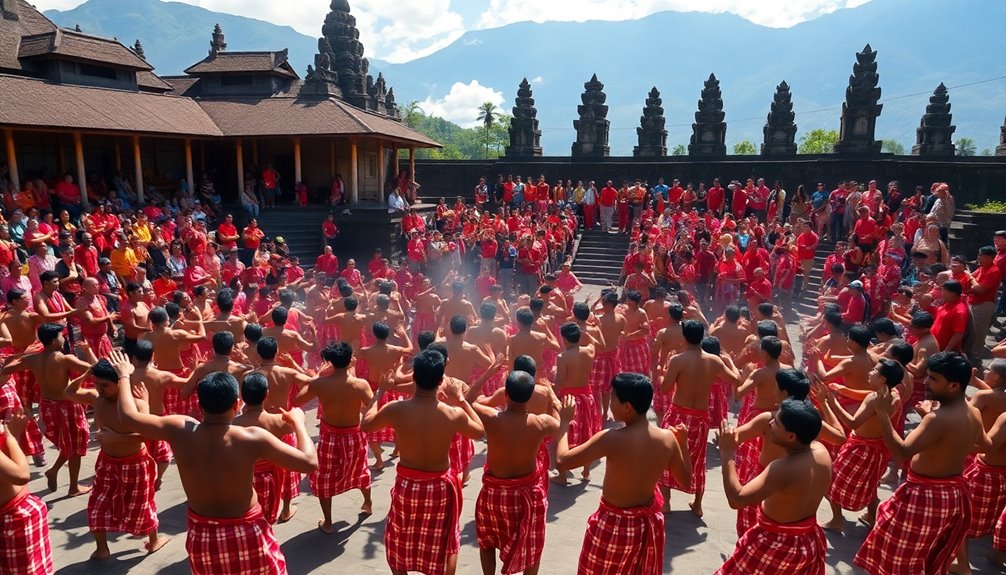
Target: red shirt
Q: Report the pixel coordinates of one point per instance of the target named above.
(674, 195)
(226, 229)
(989, 278)
(948, 320)
(194, 275)
(543, 192)
(855, 308)
(508, 192)
(256, 234)
(484, 284)
(87, 257)
(739, 203)
(806, 245)
(417, 250)
(609, 196)
(715, 197)
(328, 264)
(865, 230)
(196, 242)
(488, 248)
(331, 230)
(163, 287)
(759, 290)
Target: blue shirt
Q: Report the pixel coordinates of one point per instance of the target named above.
(661, 190)
(818, 198)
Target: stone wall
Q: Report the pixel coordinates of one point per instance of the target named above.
(972, 179)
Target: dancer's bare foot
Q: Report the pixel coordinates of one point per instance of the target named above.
(696, 508)
(957, 569)
(50, 479)
(836, 525)
(367, 508)
(585, 474)
(288, 515)
(560, 478)
(325, 527)
(379, 464)
(155, 545)
(101, 554)
(79, 490)
(868, 519)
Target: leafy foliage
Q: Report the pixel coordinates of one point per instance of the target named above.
(459, 143)
(892, 146)
(989, 207)
(679, 150)
(745, 148)
(818, 141)
(965, 147)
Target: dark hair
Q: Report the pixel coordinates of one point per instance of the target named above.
(104, 370)
(217, 392)
(581, 311)
(953, 286)
(279, 315)
(536, 305)
(525, 317)
(711, 344)
(570, 332)
(428, 369)
(793, 382)
(173, 310)
(766, 309)
(634, 389)
(381, 330)
(143, 350)
(732, 313)
(519, 386)
(892, 372)
(771, 345)
(48, 332)
(833, 318)
(922, 320)
(767, 327)
(525, 363)
(609, 298)
(901, 351)
(487, 311)
(633, 296)
(860, 335)
(339, 354)
(14, 294)
(439, 347)
(884, 325)
(158, 315)
(350, 303)
(693, 331)
(801, 419)
(951, 365)
(225, 300)
(458, 325)
(223, 342)
(253, 332)
(425, 338)
(48, 276)
(676, 311)
(267, 347)
(254, 388)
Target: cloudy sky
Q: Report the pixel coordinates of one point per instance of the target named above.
(401, 30)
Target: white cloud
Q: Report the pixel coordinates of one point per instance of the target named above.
(537, 81)
(461, 104)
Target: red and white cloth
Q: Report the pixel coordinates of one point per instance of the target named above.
(24, 536)
(697, 423)
(918, 529)
(510, 516)
(173, 402)
(587, 420)
(122, 496)
(289, 480)
(987, 484)
(342, 461)
(856, 472)
(10, 403)
(461, 453)
(606, 366)
(66, 426)
(242, 545)
(772, 548)
(634, 356)
(266, 482)
(423, 527)
(718, 403)
(159, 450)
(624, 540)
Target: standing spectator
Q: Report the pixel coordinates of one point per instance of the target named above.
(1000, 260)
(270, 186)
(69, 196)
(716, 198)
(227, 234)
(950, 322)
(609, 197)
(252, 237)
(943, 211)
(337, 195)
(837, 201)
(248, 200)
(820, 208)
(984, 283)
(330, 231)
(806, 244)
(589, 206)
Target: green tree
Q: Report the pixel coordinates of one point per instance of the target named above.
(745, 148)
(818, 141)
(679, 150)
(965, 147)
(412, 114)
(892, 146)
(499, 135)
(488, 116)
(986, 152)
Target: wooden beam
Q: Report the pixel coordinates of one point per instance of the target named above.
(412, 169)
(381, 170)
(188, 166)
(78, 153)
(334, 162)
(12, 170)
(297, 175)
(354, 173)
(138, 169)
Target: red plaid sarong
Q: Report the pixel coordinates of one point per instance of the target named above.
(661, 401)
(606, 366)
(342, 461)
(749, 465)
(510, 516)
(423, 322)
(697, 423)
(100, 344)
(31, 441)
(122, 498)
(24, 536)
(26, 386)
(549, 360)
(718, 402)
(233, 545)
(160, 451)
(66, 426)
(173, 402)
(494, 383)
(634, 356)
(423, 528)
(461, 453)
(266, 482)
(918, 529)
(857, 471)
(290, 480)
(999, 535)
(771, 548)
(620, 540)
(987, 484)
(587, 420)
(544, 461)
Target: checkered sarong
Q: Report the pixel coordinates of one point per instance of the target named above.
(173, 402)
(10, 403)
(342, 461)
(266, 482)
(919, 529)
(510, 516)
(856, 472)
(771, 548)
(634, 356)
(718, 403)
(620, 541)
(461, 453)
(423, 528)
(122, 497)
(66, 426)
(24, 536)
(386, 435)
(289, 480)
(606, 366)
(987, 484)
(587, 420)
(159, 450)
(497, 381)
(240, 545)
(697, 423)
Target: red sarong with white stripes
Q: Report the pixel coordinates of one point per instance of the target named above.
(242, 545)
(606, 366)
(24, 536)
(122, 497)
(587, 420)
(10, 403)
(697, 423)
(987, 484)
(510, 516)
(423, 527)
(773, 548)
(620, 540)
(342, 461)
(856, 472)
(66, 426)
(266, 482)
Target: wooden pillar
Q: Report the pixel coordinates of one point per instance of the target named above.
(412, 169)
(333, 161)
(12, 170)
(188, 165)
(138, 169)
(241, 168)
(297, 175)
(78, 153)
(118, 156)
(382, 168)
(354, 172)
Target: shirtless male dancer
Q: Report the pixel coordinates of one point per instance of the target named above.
(374, 364)
(24, 518)
(150, 383)
(19, 327)
(169, 343)
(572, 381)
(607, 362)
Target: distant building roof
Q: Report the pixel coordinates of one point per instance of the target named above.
(34, 103)
(278, 116)
(244, 63)
(79, 46)
(150, 82)
(29, 22)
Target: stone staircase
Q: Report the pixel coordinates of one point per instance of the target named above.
(299, 227)
(599, 257)
(806, 303)
(971, 230)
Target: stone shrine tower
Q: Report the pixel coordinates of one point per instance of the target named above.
(592, 127)
(861, 110)
(340, 69)
(934, 135)
(1001, 148)
(780, 128)
(651, 132)
(709, 132)
(525, 136)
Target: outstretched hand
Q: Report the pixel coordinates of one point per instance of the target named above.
(294, 417)
(568, 409)
(727, 440)
(121, 363)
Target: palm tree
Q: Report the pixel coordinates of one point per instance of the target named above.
(412, 113)
(965, 147)
(487, 115)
